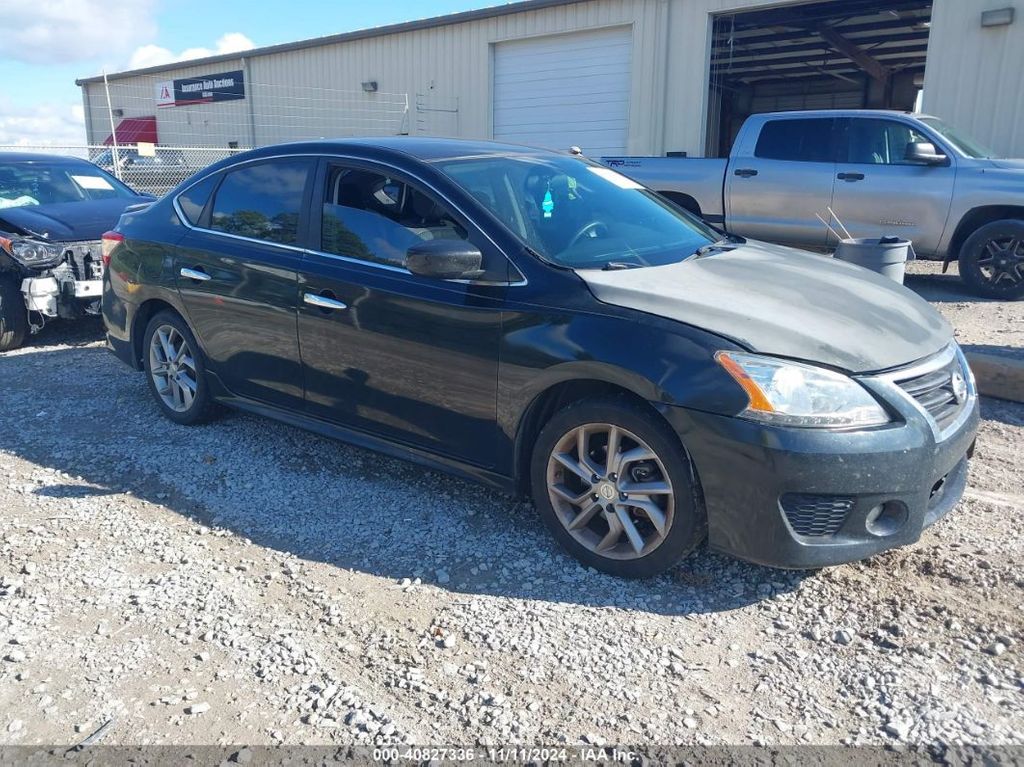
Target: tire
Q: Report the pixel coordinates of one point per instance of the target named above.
(13, 315)
(565, 500)
(184, 396)
(992, 260)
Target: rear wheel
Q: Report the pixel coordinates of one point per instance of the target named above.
(992, 260)
(615, 487)
(176, 370)
(13, 315)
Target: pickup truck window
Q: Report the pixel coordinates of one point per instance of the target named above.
(797, 140)
(878, 142)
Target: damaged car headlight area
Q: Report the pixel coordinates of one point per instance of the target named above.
(32, 253)
(788, 393)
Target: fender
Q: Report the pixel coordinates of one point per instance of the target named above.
(676, 368)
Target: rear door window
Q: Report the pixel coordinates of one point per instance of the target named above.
(263, 201)
(797, 140)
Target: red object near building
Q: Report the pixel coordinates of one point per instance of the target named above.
(132, 130)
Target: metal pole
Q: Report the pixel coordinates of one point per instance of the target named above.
(113, 130)
(248, 97)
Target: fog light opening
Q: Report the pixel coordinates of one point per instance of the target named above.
(886, 518)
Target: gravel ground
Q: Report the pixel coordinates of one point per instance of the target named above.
(984, 324)
(245, 582)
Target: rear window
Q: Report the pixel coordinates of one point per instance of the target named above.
(808, 140)
(262, 201)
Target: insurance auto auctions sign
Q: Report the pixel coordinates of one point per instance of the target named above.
(226, 86)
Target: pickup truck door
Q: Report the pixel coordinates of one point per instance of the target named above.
(779, 180)
(878, 193)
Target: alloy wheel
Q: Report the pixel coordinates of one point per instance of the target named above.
(1001, 262)
(173, 368)
(610, 491)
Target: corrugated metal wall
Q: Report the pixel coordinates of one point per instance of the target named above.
(975, 75)
(973, 79)
(196, 125)
(316, 92)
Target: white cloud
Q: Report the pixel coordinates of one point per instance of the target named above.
(64, 31)
(154, 55)
(42, 125)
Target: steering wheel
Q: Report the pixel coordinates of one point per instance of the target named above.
(593, 226)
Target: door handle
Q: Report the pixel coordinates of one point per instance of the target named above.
(195, 274)
(850, 176)
(323, 301)
(745, 172)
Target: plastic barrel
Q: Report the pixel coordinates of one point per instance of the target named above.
(888, 255)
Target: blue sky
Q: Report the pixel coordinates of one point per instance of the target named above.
(48, 43)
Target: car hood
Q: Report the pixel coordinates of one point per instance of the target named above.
(786, 303)
(67, 221)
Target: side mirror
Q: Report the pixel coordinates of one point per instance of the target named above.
(444, 259)
(924, 153)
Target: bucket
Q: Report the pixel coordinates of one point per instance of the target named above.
(888, 255)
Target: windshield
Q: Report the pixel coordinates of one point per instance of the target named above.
(579, 214)
(41, 183)
(963, 144)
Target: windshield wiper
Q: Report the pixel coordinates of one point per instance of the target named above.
(614, 266)
(726, 242)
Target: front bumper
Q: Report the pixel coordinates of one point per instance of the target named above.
(53, 297)
(807, 498)
(72, 287)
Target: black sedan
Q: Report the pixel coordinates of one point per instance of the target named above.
(545, 325)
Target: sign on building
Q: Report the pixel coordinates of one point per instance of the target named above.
(226, 86)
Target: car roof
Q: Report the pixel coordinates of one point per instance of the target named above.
(52, 159)
(427, 149)
(840, 113)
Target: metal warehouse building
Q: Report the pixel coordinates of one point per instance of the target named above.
(612, 76)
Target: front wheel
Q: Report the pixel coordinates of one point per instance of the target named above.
(13, 315)
(992, 260)
(615, 487)
(176, 370)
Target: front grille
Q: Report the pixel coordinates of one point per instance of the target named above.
(936, 390)
(816, 516)
(85, 257)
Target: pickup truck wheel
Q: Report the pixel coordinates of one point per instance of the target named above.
(615, 487)
(176, 370)
(13, 315)
(992, 260)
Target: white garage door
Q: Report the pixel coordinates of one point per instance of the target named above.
(564, 90)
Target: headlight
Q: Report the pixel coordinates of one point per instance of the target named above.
(791, 394)
(32, 252)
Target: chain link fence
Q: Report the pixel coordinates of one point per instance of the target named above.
(152, 170)
(191, 138)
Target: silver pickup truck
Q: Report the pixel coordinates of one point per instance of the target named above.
(883, 173)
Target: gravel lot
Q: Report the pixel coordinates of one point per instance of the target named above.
(246, 582)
